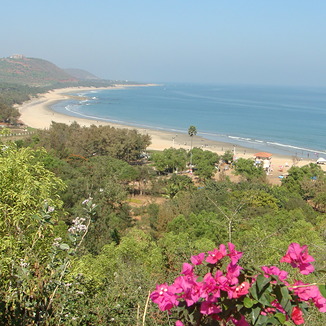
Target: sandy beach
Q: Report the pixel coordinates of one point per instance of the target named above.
(36, 113)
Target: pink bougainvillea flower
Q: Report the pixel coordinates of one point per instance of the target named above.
(297, 316)
(304, 291)
(320, 303)
(164, 297)
(216, 255)
(241, 322)
(209, 287)
(232, 273)
(277, 308)
(198, 260)
(187, 269)
(308, 292)
(273, 270)
(241, 290)
(298, 256)
(189, 289)
(209, 308)
(179, 323)
(233, 254)
(222, 283)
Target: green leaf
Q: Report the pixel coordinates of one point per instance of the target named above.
(255, 313)
(262, 320)
(253, 291)
(281, 317)
(288, 323)
(247, 302)
(64, 246)
(262, 283)
(322, 289)
(271, 321)
(265, 299)
(285, 300)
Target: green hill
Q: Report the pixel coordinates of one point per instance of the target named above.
(34, 72)
(81, 74)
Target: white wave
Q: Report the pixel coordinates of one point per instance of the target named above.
(295, 147)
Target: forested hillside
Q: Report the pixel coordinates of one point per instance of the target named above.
(91, 222)
(35, 72)
(32, 71)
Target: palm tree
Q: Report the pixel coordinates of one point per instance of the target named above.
(192, 131)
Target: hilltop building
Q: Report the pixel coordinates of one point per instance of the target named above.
(17, 56)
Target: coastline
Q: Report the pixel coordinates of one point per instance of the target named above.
(37, 113)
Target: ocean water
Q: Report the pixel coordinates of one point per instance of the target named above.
(283, 120)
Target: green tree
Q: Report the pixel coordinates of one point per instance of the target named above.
(8, 114)
(118, 280)
(24, 186)
(170, 160)
(227, 157)
(208, 225)
(247, 169)
(204, 162)
(192, 131)
(178, 183)
(123, 144)
(30, 207)
(305, 180)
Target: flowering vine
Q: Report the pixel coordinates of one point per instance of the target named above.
(230, 293)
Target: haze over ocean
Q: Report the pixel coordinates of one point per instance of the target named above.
(283, 120)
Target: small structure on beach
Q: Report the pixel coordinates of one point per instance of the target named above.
(264, 158)
(321, 160)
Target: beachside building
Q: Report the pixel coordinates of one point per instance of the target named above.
(264, 158)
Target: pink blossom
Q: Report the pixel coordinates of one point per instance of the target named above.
(320, 303)
(277, 308)
(307, 292)
(304, 291)
(209, 308)
(233, 254)
(298, 256)
(164, 297)
(240, 322)
(189, 289)
(241, 290)
(232, 273)
(273, 270)
(179, 323)
(209, 287)
(223, 283)
(216, 255)
(198, 260)
(297, 316)
(187, 269)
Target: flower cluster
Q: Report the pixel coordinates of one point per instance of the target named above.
(228, 292)
(77, 226)
(298, 256)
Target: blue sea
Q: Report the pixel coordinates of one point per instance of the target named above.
(280, 120)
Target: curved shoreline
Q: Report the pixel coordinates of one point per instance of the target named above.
(36, 113)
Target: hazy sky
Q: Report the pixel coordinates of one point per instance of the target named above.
(280, 42)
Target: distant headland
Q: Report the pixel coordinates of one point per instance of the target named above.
(19, 69)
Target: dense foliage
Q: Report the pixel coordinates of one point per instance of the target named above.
(78, 249)
(11, 94)
(76, 142)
